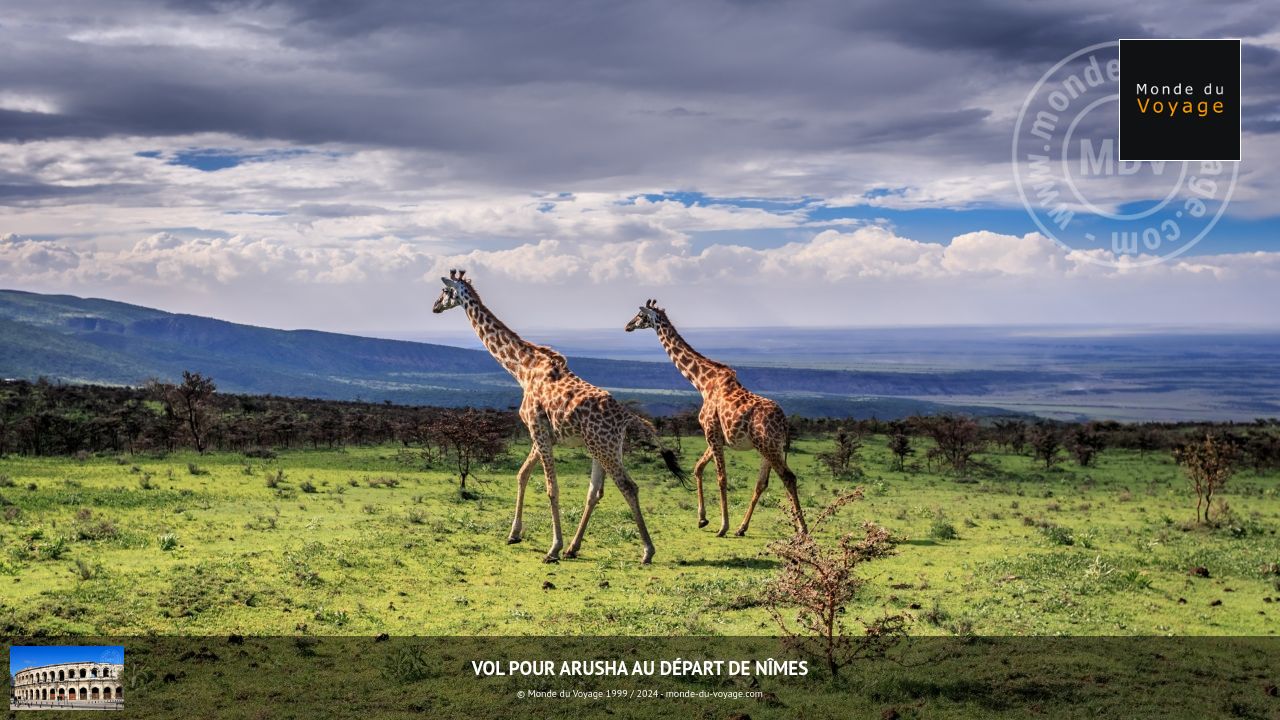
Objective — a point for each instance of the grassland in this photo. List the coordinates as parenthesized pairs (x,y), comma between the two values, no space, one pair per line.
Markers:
(359,542)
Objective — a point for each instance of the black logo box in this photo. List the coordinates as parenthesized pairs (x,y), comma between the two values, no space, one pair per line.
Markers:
(1186,67)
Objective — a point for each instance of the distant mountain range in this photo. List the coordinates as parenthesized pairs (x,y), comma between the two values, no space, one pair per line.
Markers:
(85,340)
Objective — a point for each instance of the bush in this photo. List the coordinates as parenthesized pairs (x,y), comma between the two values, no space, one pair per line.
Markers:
(87,528)
(52,550)
(1057,534)
(168,541)
(943,530)
(86,571)
(819,581)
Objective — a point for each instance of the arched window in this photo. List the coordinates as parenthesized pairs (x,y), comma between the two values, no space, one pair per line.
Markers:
(84,694)
(82,672)
(93,694)
(95,672)
(62,675)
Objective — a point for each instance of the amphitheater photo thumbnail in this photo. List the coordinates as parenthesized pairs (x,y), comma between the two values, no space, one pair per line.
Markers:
(66,677)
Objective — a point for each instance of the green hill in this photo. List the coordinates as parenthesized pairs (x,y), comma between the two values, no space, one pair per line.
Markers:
(74,339)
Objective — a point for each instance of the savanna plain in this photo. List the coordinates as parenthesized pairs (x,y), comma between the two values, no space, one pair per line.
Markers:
(370,540)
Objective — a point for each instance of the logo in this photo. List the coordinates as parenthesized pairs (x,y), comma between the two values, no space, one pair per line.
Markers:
(1079,192)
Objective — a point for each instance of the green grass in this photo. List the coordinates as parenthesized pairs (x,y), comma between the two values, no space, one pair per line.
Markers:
(355,542)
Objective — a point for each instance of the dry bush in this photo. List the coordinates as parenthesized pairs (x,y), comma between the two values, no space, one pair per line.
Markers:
(819,580)
(1209,463)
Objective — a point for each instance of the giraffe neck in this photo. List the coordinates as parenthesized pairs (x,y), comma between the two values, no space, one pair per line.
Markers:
(509,349)
(693,365)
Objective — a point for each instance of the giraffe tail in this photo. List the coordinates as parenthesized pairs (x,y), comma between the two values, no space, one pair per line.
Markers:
(651,440)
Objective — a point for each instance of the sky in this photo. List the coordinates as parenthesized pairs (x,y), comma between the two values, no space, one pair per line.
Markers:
(22,657)
(319,164)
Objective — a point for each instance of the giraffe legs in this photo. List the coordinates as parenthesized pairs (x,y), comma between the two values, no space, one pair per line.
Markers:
(594,493)
(522,480)
(722,481)
(774,460)
(631,493)
(542,443)
(697,474)
(761,483)
(789,482)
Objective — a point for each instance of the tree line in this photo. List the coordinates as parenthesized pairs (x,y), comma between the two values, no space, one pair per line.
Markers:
(46,418)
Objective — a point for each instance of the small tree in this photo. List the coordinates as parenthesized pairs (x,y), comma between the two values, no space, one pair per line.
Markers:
(1045,443)
(1209,464)
(840,459)
(1085,444)
(1012,434)
(956,440)
(819,581)
(1145,440)
(190,401)
(469,437)
(900,443)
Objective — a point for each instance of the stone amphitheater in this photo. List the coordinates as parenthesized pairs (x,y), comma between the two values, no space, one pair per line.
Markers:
(79,682)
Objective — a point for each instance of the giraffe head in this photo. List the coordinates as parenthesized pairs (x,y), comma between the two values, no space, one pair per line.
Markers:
(456,289)
(650,316)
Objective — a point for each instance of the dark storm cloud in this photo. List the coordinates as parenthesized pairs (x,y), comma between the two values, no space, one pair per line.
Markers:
(1008,31)
(546,95)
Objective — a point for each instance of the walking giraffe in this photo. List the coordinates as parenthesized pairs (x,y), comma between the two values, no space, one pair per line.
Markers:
(730,416)
(558,404)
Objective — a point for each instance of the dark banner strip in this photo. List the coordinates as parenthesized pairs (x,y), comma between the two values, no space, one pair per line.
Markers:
(711,677)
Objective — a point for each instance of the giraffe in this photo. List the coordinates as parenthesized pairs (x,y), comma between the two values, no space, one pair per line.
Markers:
(558,404)
(730,416)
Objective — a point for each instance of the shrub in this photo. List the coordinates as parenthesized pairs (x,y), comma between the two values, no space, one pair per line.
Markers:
(819,581)
(52,550)
(1057,534)
(87,528)
(942,530)
(85,571)
(842,456)
(168,541)
(1209,463)
(195,469)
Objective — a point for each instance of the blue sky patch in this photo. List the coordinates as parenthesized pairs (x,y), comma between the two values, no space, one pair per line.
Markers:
(214,159)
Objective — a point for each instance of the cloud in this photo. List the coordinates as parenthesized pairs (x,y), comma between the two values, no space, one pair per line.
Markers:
(368,284)
(294,162)
(832,98)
